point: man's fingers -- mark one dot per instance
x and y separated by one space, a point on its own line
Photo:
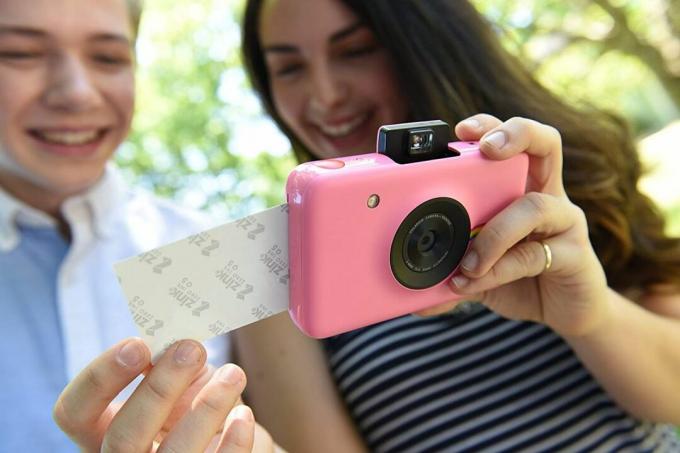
208 411
183 404
239 431
143 415
263 442
84 403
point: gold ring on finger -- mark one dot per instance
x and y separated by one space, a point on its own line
548 256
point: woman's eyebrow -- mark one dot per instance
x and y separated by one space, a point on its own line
347 31
280 48
335 37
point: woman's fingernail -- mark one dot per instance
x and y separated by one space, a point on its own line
496 140
187 353
230 374
470 261
471 123
131 354
460 281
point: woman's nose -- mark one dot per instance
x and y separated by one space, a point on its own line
328 88
71 86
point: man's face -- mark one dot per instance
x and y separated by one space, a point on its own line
66 91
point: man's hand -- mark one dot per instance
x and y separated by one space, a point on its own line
181 405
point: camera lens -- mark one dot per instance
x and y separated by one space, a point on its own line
429 243
426 241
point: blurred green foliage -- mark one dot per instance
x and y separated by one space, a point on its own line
622 56
674 219
193 99
181 141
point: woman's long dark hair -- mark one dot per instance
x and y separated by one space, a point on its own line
451 65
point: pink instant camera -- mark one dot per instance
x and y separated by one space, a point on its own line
376 236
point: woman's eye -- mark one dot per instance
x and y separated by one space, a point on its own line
359 51
288 70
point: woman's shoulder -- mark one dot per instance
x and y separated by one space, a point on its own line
662 300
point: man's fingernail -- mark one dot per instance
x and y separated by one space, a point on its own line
243 413
496 140
230 374
187 353
470 261
131 354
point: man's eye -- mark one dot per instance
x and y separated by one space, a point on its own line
111 60
19 56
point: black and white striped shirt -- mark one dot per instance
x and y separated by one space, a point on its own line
479 382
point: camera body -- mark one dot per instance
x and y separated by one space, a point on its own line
371 239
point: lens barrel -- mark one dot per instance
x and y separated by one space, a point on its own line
429 243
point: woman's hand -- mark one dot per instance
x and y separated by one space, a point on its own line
533 260
180 405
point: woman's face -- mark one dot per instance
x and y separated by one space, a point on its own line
66 91
332 83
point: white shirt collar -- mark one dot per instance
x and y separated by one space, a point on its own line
102 202
13 213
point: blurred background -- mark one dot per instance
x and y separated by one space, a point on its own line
200 136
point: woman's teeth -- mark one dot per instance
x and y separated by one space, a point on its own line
68 138
343 129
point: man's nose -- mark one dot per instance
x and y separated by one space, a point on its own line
71 86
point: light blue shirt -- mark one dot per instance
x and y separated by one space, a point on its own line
32 373
60 303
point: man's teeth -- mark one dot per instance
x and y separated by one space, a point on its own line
342 129
69 138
